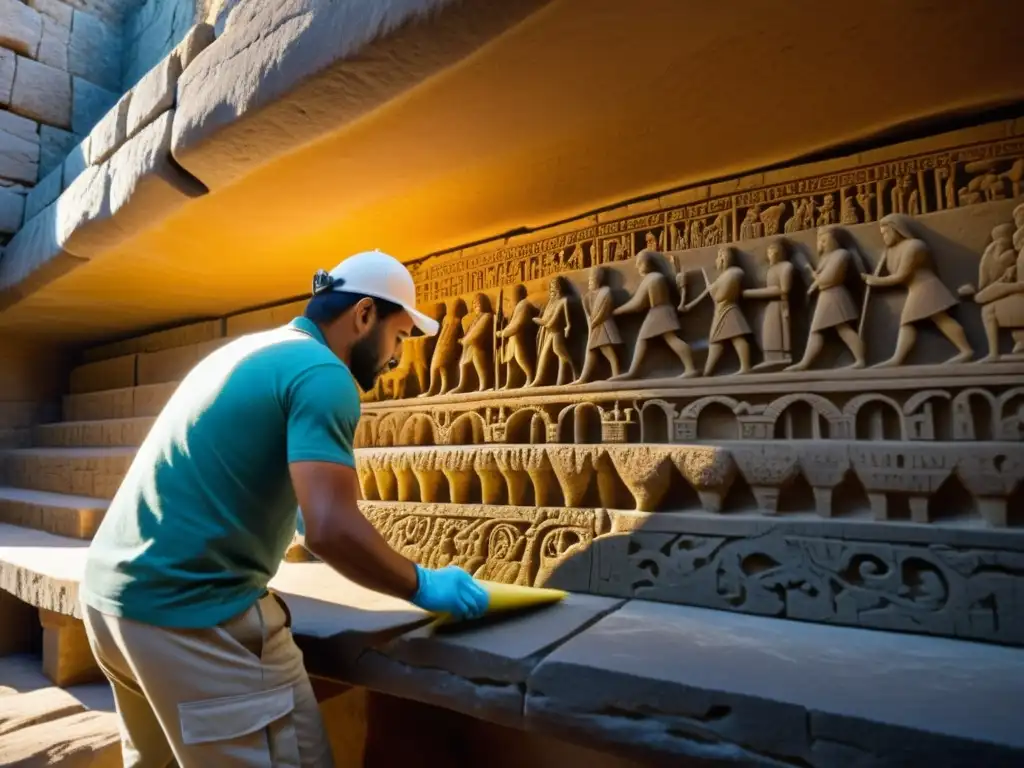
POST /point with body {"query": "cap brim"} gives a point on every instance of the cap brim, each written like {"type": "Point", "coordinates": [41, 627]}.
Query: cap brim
{"type": "Point", "coordinates": [426, 325]}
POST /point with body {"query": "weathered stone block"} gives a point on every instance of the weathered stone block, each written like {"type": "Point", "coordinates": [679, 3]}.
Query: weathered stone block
{"type": "Point", "coordinates": [54, 145]}
{"type": "Point", "coordinates": [349, 58]}
{"type": "Point", "coordinates": [90, 103]}
{"type": "Point", "coordinates": [42, 93]}
{"type": "Point", "coordinates": [60, 514]}
{"type": "Point", "coordinates": [263, 319]}
{"type": "Point", "coordinates": [116, 373]}
{"type": "Point", "coordinates": [110, 132]}
{"type": "Point", "coordinates": [33, 258]}
{"type": "Point", "coordinates": [95, 51]}
{"type": "Point", "coordinates": [194, 333]}
{"type": "Point", "coordinates": [76, 161]}
{"type": "Point", "coordinates": [20, 28]}
{"type": "Point", "coordinates": [19, 148]}
{"type": "Point", "coordinates": [12, 210]}
{"type": "Point", "coordinates": [139, 184]}
{"type": "Point", "coordinates": [153, 94]}
{"type": "Point", "coordinates": [7, 66]}
{"type": "Point", "coordinates": [82, 740]}
{"type": "Point", "coordinates": [54, 10]}
{"type": "Point", "coordinates": [92, 472]}
{"type": "Point", "coordinates": [53, 48]}
{"type": "Point", "coordinates": [195, 42]}
{"type": "Point", "coordinates": [93, 434]}
{"type": "Point", "coordinates": [150, 399]}
{"type": "Point", "coordinates": [111, 404]}
{"type": "Point", "coordinates": [67, 657]}
{"type": "Point", "coordinates": [168, 365]}
{"type": "Point", "coordinates": [43, 193]}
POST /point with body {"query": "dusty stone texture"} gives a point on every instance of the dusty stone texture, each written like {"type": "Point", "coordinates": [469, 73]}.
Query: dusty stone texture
{"type": "Point", "coordinates": [110, 132]}
{"type": "Point", "coordinates": [477, 671]}
{"type": "Point", "coordinates": [53, 47]}
{"type": "Point", "coordinates": [118, 403]}
{"type": "Point", "coordinates": [116, 373]}
{"type": "Point", "coordinates": [76, 161]}
{"type": "Point", "coordinates": [42, 705]}
{"type": "Point", "coordinates": [33, 258]}
{"type": "Point", "coordinates": [62, 515]}
{"type": "Point", "coordinates": [137, 186]}
{"type": "Point", "coordinates": [12, 210]}
{"type": "Point", "coordinates": [54, 10]}
{"type": "Point", "coordinates": [95, 51]}
{"type": "Point", "coordinates": [7, 66]}
{"type": "Point", "coordinates": [262, 319]}
{"type": "Point", "coordinates": [20, 28]}
{"type": "Point", "coordinates": [19, 148]}
{"type": "Point", "coordinates": [283, 74]}
{"type": "Point", "coordinates": [90, 103]}
{"type": "Point", "coordinates": [44, 193]}
{"type": "Point", "coordinates": [151, 32]}
{"type": "Point", "coordinates": [89, 434]}
{"type": "Point", "coordinates": [690, 682]}
{"type": "Point", "coordinates": [42, 93]}
{"type": "Point", "coordinates": [195, 42]}
{"type": "Point", "coordinates": [93, 472]}
{"type": "Point", "coordinates": [168, 365]}
{"type": "Point", "coordinates": [41, 569]}
{"type": "Point", "coordinates": [153, 94]}
{"type": "Point", "coordinates": [83, 740]}
{"type": "Point", "coordinates": [194, 333]}
{"type": "Point", "coordinates": [54, 146]}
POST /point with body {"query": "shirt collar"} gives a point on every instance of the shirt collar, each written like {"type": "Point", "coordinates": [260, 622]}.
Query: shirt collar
{"type": "Point", "coordinates": [308, 327]}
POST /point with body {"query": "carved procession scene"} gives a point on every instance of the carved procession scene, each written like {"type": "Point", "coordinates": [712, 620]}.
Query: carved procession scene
{"type": "Point", "coordinates": [836, 349]}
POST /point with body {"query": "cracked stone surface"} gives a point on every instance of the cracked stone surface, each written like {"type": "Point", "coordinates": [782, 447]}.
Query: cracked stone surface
{"type": "Point", "coordinates": [693, 682]}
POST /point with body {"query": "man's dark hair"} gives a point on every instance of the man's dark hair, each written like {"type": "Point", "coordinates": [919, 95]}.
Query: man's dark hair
{"type": "Point", "coordinates": [326, 307]}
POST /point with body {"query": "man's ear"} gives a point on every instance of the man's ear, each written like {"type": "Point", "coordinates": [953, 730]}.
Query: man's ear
{"type": "Point", "coordinates": [364, 315]}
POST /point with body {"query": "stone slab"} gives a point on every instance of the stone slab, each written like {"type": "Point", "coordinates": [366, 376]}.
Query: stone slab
{"type": "Point", "coordinates": [137, 187]}
{"type": "Point", "coordinates": [34, 258]}
{"type": "Point", "coordinates": [12, 210]}
{"type": "Point", "coordinates": [83, 740]}
{"type": "Point", "coordinates": [93, 434]}
{"type": "Point", "coordinates": [21, 673]}
{"type": "Point", "coordinates": [94, 472]}
{"type": "Point", "coordinates": [700, 683]}
{"type": "Point", "coordinates": [7, 66]}
{"type": "Point", "coordinates": [77, 161]}
{"type": "Point", "coordinates": [181, 336]}
{"type": "Point", "coordinates": [54, 146]}
{"type": "Point", "coordinates": [21, 28]}
{"type": "Point", "coordinates": [61, 514]}
{"type": "Point", "coordinates": [43, 194]}
{"type": "Point", "coordinates": [110, 132]}
{"type": "Point", "coordinates": [196, 40]}
{"type": "Point", "coordinates": [19, 148]}
{"type": "Point", "coordinates": [263, 319]}
{"type": "Point", "coordinates": [169, 364]}
{"type": "Point", "coordinates": [42, 93]}
{"type": "Point", "coordinates": [89, 103]}
{"type": "Point", "coordinates": [118, 403]}
{"type": "Point", "coordinates": [283, 74]}
{"type": "Point", "coordinates": [42, 569]}
{"type": "Point", "coordinates": [43, 705]}
{"type": "Point", "coordinates": [153, 94]}
{"type": "Point", "coordinates": [116, 373]}
{"type": "Point", "coordinates": [53, 46]}
{"type": "Point", "coordinates": [479, 671]}
{"type": "Point", "coordinates": [54, 10]}
{"type": "Point", "coordinates": [95, 51]}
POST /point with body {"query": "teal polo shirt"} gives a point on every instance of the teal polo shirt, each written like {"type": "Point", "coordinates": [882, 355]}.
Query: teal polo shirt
{"type": "Point", "coordinates": [202, 520]}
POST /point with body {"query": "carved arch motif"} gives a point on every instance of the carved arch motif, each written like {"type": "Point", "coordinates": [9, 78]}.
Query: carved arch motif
{"type": "Point", "coordinates": [922, 426]}
{"type": "Point", "coordinates": [389, 429]}
{"type": "Point", "coordinates": [965, 424]}
{"type": "Point", "coordinates": [522, 419]}
{"type": "Point", "coordinates": [468, 429]}
{"type": "Point", "coordinates": [366, 433]}
{"type": "Point", "coordinates": [670, 419]}
{"type": "Point", "coordinates": [852, 410]}
{"type": "Point", "coordinates": [838, 423]}
{"type": "Point", "coordinates": [1011, 424]}
{"type": "Point", "coordinates": [572, 431]}
{"type": "Point", "coordinates": [418, 429]}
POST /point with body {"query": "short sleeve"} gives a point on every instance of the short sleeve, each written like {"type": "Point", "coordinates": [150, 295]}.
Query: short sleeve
{"type": "Point", "coordinates": [323, 412]}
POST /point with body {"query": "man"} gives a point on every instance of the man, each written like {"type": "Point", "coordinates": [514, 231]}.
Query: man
{"type": "Point", "coordinates": [203, 666]}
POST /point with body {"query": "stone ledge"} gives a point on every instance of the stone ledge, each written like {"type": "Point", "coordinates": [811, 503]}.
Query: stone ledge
{"type": "Point", "coordinates": [690, 682]}
{"type": "Point", "coordinates": [284, 74]}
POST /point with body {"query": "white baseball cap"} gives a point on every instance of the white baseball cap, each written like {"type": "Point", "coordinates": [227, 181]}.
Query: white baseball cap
{"type": "Point", "coordinates": [376, 274]}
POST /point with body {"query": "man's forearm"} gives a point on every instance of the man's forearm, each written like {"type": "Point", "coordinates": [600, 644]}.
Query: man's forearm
{"type": "Point", "coordinates": [354, 548]}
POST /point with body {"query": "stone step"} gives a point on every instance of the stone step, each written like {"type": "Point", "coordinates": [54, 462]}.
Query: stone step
{"type": "Point", "coordinates": [62, 514]}
{"type": "Point", "coordinates": [41, 724]}
{"type": "Point", "coordinates": [126, 403]}
{"type": "Point", "coordinates": [94, 472]}
{"type": "Point", "coordinates": [100, 433]}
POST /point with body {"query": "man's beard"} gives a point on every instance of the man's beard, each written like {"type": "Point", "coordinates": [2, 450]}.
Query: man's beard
{"type": "Point", "coordinates": [363, 360]}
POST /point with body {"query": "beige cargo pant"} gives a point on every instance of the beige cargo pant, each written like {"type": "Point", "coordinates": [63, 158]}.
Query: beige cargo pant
{"type": "Point", "coordinates": [234, 696]}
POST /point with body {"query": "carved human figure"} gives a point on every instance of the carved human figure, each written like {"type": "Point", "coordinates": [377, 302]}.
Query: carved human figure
{"type": "Point", "coordinates": [555, 324]}
{"type": "Point", "coordinates": [771, 218]}
{"type": "Point", "coordinates": [661, 321]}
{"type": "Point", "coordinates": [476, 346]}
{"type": "Point", "coordinates": [910, 265]}
{"type": "Point", "coordinates": [1000, 290]}
{"type": "Point", "coordinates": [835, 307]}
{"type": "Point", "coordinates": [776, 342]}
{"type": "Point", "coordinates": [728, 323]}
{"type": "Point", "coordinates": [827, 213]}
{"type": "Point", "coordinates": [604, 336]}
{"type": "Point", "coordinates": [515, 338]}
{"type": "Point", "coordinates": [751, 227]}
{"type": "Point", "coordinates": [446, 351]}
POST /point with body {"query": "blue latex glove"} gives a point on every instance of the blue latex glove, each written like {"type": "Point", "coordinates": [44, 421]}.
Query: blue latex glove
{"type": "Point", "coordinates": [450, 590]}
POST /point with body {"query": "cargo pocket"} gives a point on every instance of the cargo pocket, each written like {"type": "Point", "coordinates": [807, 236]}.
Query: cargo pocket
{"type": "Point", "coordinates": [252, 729]}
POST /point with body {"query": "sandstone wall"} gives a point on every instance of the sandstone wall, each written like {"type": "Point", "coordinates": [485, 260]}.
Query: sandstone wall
{"type": "Point", "coordinates": [32, 378]}
{"type": "Point", "coordinates": [63, 65]}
